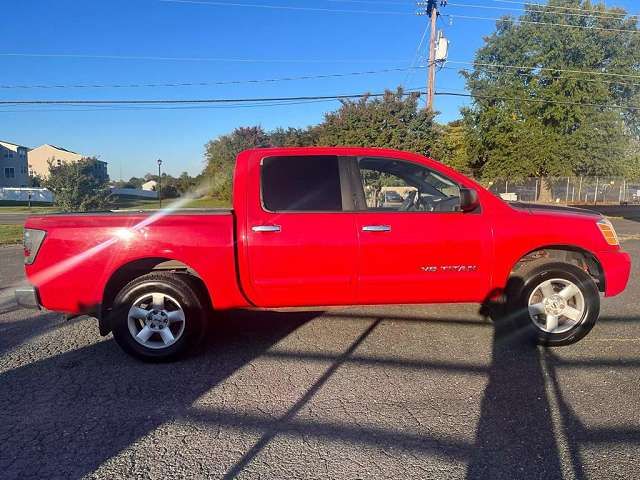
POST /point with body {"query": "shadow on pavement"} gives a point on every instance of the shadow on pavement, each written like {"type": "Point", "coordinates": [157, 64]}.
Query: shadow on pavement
{"type": "Point", "coordinates": [78, 409]}
{"type": "Point", "coordinates": [515, 435]}
{"type": "Point", "coordinates": [18, 332]}
{"type": "Point", "coordinates": [83, 407]}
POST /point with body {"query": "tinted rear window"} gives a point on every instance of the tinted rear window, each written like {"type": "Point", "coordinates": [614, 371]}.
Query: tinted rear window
{"type": "Point", "coordinates": [310, 183]}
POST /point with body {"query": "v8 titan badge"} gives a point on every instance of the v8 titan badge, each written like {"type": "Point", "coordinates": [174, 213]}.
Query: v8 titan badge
{"type": "Point", "coordinates": [449, 268]}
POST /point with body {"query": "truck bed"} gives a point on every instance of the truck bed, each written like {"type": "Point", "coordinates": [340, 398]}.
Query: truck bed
{"type": "Point", "coordinates": [83, 251]}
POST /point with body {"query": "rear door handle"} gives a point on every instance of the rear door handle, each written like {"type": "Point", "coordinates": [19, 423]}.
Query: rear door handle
{"type": "Point", "coordinates": [266, 228]}
{"type": "Point", "coordinates": [376, 228]}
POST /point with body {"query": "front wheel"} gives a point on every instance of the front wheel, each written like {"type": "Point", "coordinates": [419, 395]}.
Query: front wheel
{"type": "Point", "coordinates": [158, 316]}
{"type": "Point", "coordinates": [558, 302]}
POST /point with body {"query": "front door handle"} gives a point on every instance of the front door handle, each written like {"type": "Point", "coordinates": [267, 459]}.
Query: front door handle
{"type": "Point", "coordinates": [266, 228]}
{"type": "Point", "coordinates": [376, 228]}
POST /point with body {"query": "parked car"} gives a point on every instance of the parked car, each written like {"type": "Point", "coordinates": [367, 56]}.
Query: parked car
{"type": "Point", "coordinates": [391, 199]}
{"type": "Point", "coordinates": [301, 234]}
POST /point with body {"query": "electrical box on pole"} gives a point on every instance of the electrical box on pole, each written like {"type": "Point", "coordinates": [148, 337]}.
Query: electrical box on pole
{"type": "Point", "coordinates": [442, 48]}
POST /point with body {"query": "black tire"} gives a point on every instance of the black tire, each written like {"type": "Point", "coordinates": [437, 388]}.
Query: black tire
{"type": "Point", "coordinates": [187, 292]}
{"type": "Point", "coordinates": [525, 281]}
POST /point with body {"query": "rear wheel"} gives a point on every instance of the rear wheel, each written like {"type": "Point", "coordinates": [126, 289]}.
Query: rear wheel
{"type": "Point", "coordinates": [558, 302]}
{"type": "Point", "coordinates": [158, 316]}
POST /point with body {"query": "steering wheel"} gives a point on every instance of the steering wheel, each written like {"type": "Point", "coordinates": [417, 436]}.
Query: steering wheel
{"type": "Point", "coordinates": [408, 202]}
{"type": "Point", "coordinates": [450, 204]}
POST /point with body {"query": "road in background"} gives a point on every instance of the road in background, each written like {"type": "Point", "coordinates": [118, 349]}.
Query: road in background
{"type": "Point", "coordinates": [12, 218]}
{"type": "Point", "coordinates": [395, 392]}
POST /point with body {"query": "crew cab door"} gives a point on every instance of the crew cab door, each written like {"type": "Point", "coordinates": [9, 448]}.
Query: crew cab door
{"type": "Point", "coordinates": [424, 249]}
{"type": "Point", "coordinates": [301, 240]}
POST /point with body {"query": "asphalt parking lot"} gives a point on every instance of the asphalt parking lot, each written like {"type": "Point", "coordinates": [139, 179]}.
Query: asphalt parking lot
{"type": "Point", "coordinates": [397, 392]}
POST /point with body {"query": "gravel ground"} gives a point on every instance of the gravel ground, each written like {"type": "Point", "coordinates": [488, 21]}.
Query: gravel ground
{"type": "Point", "coordinates": [394, 392]}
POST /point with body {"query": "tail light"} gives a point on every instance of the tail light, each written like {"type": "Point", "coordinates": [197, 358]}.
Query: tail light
{"type": "Point", "coordinates": [32, 241]}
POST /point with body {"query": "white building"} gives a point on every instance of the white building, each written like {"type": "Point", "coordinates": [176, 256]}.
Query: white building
{"type": "Point", "coordinates": [150, 186]}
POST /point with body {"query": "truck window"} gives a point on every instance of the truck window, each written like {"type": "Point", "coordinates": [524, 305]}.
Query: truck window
{"type": "Point", "coordinates": [301, 183]}
{"type": "Point", "coordinates": [398, 186]}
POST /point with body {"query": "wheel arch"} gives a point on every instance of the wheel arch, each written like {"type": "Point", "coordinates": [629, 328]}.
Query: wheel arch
{"type": "Point", "coordinates": [136, 268]}
{"type": "Point", "coordinates": [581, 257]}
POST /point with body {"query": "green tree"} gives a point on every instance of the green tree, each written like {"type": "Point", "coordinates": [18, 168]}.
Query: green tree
{"type": "Point", "coordinates": [294, 137]}
{"type": "Point", "coordinates": [452, 147]}
{"type": "Point", "coordinates": [76, 188]}
{"type": "Point", "coordinates": [36, 181]}
{"type": "Point", "coordinates": [220, 156]}
{"type": "Point", "coordinates": [391, 121]}
{"type": "Point", "coordinates": [185, 183]}
{"type": "Point", "coordinates": [535, 120]}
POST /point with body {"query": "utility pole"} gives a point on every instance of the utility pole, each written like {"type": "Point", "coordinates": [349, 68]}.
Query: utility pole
{"type": "Point", "coordinates": [160, 182]}
{"type": "Point", "coordinates": [431, 10]}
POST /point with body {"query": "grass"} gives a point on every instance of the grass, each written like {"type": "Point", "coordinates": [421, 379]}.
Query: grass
{"type": "Point", "coordinates": [25, 209]}
{"type": "Point", "coordinates": [121, 203]}
{"type": "Point", "coordinates": [125, 203]}
{"type": "Point", "coordinates": [146, 204]}
{"type": "Point", "coordinates": [207, 202]}
{"type": "Point", "coordinates": [10, 234]}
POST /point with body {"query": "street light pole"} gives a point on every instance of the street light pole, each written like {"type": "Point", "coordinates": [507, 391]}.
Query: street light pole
{"type": "Point", "coordinates": [160, 182]}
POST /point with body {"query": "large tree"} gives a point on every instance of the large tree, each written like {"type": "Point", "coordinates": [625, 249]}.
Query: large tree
{"type": "Point", "coordinates": [220, 157]}
{"type": "Point", "coordinates": [535, 112]}
{"type": "Point", "coordinates": [393, 121]}
{"type": "Point", "coordinates": [452, 146]}
{"type": "Point", "coordinates": [76, 187]}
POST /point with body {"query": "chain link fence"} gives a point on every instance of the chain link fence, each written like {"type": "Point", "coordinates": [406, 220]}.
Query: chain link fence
{"type": "Point", "coordinates": [568, 190]}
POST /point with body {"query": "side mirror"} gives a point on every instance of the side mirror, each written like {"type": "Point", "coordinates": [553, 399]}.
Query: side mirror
{"type": "Point", "coordinates": [468, 199]}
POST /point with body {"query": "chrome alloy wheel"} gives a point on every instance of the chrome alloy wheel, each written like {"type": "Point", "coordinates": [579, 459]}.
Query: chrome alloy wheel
{"type": "Point", "coordinates": [156, 320]}
{"type": "Point", "coordinates": [556, 305]}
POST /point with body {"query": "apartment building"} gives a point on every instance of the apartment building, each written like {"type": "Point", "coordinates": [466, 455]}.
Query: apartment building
{"type": "Point", "coordinates": [14, 170]}
{"type": "Point", "coordinates": [39, 160]}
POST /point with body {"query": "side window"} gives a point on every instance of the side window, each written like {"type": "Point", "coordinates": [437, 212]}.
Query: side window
{"type": "Point", "coordinates": [301, 183]}
{"type": "Point", "coordinates": [398, 186]}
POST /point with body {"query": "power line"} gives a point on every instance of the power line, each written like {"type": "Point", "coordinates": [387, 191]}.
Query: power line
{"type": "Point", "coordinates": [552, 12]}
{"type": "Point", "coordinates": [581, 79]}
{"type": "Point", "coordinates": [468, 17]}
{"type": "Point", "coordinates": [557, 7]}
{"type": "Point", "coordinates": [283, 7]}
{"type": "Point", "coordinates": [268, 101]}
{"type": "Point", "coordinates": [192, 59]}
{"type": "Point", "coordinates": [533, 67]}
{"type": "Point", "coordinates": [413, 67]}
{"type": "Point", "coordinates": [179, 107]}
{"type": "Point", "coordinates": [553, 24]}
{"type": "Point", "coordinates": [416, 57]}
{"type": "Point", "coordinates": [541, 100]}
{"type": "Point", "coordinates": [194, 101]}
{"type": "Point", "coordinates": [203, 84]}
{"type": "Point", "coordinates": [410, 69]}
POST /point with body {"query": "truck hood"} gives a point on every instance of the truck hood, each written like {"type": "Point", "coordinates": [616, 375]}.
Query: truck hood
{"type": "Point", "coordinates": [536, 208]}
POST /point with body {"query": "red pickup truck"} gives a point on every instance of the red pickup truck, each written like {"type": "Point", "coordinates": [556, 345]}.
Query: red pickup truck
{"type": "Point", "coordinates": [310, 227]}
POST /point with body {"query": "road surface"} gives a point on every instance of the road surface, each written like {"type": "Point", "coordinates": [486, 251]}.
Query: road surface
{"type": "Point", "coordinates": [397, 392]}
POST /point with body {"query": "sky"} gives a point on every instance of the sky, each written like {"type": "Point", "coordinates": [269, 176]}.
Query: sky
{"type": "Point", "coordinates": [151, 42]}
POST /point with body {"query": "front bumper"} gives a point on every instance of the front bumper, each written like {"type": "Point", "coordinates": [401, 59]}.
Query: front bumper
{"type": "Point", "coordinates": [27, 297]}
{"type": "Point", "coordinates": [617, 268]}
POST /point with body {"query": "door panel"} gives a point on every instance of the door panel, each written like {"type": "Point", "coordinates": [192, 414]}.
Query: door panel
{"type": "Point", "coordinates": [310, 261]}
{"type": "Point", "coordinates": [301, 245]}
{"type": "Point", "coordinates": [420, 248]}
{"type": "Point", "coordinates": [423, 257]}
